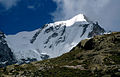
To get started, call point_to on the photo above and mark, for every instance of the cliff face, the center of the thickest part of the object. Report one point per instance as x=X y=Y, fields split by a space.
x=95 y=57
x=6 y=56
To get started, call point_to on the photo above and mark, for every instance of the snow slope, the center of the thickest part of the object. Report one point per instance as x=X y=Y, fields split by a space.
x=53 y=39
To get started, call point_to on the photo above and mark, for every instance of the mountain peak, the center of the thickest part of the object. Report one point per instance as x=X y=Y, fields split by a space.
x=53 y=39
x=78 y=18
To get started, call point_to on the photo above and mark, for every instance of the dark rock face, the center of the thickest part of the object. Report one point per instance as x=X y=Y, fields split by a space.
x=35 y=36
x=49 y=30
x=87 y=44
x=6 y=56
x=37 y=33
x=44 y=56
x=84 y=29
x=97 y=30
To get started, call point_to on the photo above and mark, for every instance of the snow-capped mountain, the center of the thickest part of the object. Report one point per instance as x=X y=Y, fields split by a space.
x=53 y=39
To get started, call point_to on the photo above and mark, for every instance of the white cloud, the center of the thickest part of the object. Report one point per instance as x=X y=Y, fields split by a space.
x=8 y=3
x=107 y=12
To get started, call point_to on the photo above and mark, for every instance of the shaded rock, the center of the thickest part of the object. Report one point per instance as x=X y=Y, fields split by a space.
x=97 y=30
x=87 y=44
x=6 y=56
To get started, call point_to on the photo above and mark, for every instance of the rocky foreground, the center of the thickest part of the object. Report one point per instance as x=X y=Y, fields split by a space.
x=95 y=57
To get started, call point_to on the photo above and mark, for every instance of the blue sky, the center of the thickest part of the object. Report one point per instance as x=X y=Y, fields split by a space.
x=28 y=15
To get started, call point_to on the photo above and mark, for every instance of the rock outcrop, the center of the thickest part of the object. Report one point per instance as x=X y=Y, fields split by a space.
x=6 y=56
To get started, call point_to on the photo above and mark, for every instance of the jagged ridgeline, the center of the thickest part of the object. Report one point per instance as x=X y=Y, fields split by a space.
x=95 y=57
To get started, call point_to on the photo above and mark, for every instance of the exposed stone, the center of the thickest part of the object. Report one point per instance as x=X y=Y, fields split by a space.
x=6 y=56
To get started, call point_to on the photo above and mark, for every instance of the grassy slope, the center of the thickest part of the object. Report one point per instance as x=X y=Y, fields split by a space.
x=96 y=57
